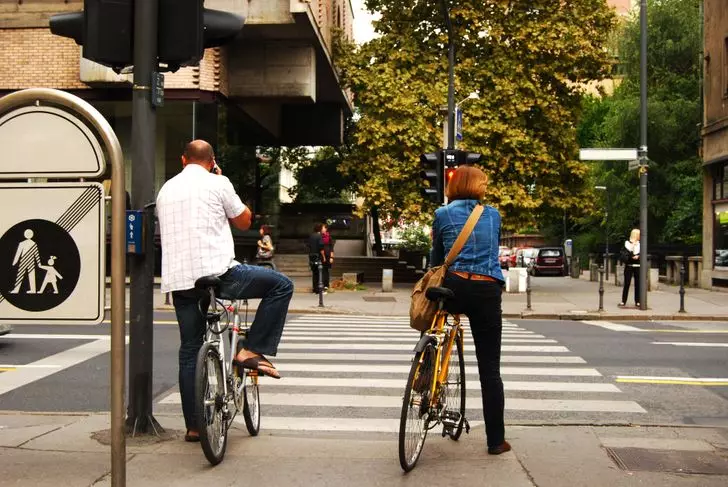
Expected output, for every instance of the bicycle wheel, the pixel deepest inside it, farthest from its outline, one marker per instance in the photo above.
(415, 417)
(455, 390)
(251, 404)
(209, 400)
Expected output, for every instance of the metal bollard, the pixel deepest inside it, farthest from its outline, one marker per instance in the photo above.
(601, 289)
(528, 291)
(682, 286)
(166, 298)
(321, 284)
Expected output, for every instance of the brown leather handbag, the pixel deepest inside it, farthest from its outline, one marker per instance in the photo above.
(422, 310)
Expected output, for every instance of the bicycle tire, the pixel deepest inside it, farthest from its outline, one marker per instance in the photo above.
(412, 439)
(251, 403)
(209, 390)
(456, 399)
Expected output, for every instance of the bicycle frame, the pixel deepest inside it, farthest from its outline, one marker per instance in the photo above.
(441, 330)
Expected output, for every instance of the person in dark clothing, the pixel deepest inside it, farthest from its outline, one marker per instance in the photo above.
(328, 243)
(476, 279)
(316, 254)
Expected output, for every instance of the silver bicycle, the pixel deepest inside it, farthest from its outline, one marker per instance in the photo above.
(220, 389)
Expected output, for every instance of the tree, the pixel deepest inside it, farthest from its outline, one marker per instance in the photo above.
(526, 58)
(318, 179)
(674, 114)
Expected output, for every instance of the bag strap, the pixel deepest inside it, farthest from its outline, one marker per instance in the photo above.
(464, 235)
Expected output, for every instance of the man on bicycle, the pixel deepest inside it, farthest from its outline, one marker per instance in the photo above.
(195, 209)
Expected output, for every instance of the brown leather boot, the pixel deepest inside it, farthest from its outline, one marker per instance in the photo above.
(497, 450)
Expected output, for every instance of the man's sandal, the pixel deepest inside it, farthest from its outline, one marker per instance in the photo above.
(192, 438)
(254, 363)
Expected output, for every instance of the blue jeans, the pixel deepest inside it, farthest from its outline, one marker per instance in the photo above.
(241, 282)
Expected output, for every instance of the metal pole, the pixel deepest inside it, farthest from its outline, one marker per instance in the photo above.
(606, 236)
(601, 289)
(451, 76)
(321, 284)
(643, 155)
(528, 291)
(682, 285)
(144, 130)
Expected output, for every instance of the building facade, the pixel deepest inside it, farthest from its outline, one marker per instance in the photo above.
(715, 144)
(274, 85)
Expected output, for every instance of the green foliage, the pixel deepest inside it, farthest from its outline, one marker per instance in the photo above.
(526, 58)
(318, 180)
(674, 114)
(415, 239)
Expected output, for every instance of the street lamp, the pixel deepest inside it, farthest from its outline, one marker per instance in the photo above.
(472, 96)
(606, 230)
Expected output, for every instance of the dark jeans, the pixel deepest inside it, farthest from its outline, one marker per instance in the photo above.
(240, 282)
(480, 301)
(629, 273)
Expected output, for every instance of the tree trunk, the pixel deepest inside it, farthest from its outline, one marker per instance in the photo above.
(377, 233)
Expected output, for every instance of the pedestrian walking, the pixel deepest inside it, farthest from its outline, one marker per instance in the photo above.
(630, 257)
(477, 281)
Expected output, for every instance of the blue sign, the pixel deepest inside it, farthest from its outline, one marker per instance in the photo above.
(134, 231)
(458, 123)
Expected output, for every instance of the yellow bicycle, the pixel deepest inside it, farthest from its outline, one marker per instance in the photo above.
(435, 391)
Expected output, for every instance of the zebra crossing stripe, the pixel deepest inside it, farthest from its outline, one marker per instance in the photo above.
(404, 369)
(410, 346)
(293, 331)
(374, 339)
(512, 404)
(407, 357)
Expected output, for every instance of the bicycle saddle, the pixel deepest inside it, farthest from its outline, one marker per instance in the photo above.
(208, 282)
(438, 293)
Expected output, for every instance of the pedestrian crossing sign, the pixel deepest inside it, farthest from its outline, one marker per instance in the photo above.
(52, 253)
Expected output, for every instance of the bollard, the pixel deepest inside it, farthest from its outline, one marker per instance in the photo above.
(387, 280)
(321, 283)
(166, 298)
(682, 286)
(601, 289)
(528, 291)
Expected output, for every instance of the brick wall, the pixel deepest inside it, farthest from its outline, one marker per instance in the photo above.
(36, 58)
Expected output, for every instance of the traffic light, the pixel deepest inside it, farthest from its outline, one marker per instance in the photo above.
(432, 174)
(186, 29)
(105, 29)
(449, 173)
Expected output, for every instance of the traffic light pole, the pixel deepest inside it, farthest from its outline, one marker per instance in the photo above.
(451, 77)
(141, 266)
(644, 270)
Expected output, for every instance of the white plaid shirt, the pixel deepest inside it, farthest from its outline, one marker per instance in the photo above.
(193, 210)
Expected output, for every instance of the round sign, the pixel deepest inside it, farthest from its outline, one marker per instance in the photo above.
(39, 265)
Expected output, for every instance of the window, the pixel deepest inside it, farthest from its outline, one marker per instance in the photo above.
(725, 67)
(720, 182)
(551, 253)
(721, 235)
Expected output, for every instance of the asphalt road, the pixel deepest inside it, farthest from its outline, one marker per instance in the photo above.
(346, 374)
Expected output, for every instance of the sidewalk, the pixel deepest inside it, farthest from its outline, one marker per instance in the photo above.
(560, 298)
(72, 450)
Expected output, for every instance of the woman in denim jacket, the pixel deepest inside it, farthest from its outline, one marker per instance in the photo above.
(476, 279)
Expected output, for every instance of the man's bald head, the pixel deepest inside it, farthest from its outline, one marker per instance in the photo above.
(198, 152)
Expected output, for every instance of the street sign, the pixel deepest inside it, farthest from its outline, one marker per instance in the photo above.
(52, 253)
(634, 164)
(44, 141)
(607, 154)
(458, 123)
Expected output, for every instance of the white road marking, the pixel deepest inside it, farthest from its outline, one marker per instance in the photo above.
(693, 344)
(410, 346)
(689, 379)
(404, 369)
(46, 336)
(371, 339)
(612, 326)
(28, 366)
(407, 357)
(60, 361)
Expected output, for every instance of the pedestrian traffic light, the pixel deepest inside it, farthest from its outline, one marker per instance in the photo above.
(432, 174)
(105, 29)
(449, 173)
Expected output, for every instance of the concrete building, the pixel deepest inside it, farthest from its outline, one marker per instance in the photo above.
(275, 84)
(715, 145)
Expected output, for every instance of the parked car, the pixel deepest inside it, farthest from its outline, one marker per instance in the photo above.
(524, 256)
(514, 254)
(504, 257)
(548, 260)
